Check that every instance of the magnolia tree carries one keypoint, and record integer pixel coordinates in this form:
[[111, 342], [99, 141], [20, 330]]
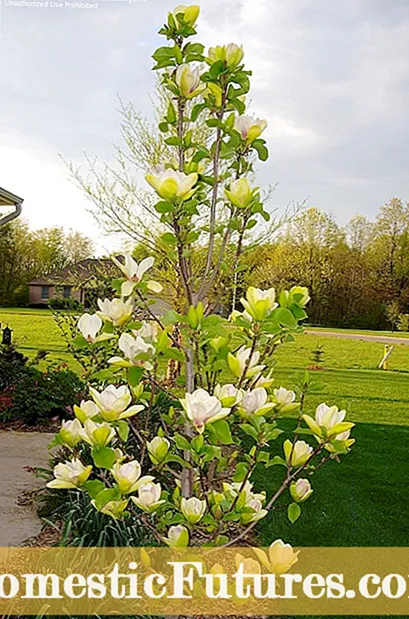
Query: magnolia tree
[[181, 457]]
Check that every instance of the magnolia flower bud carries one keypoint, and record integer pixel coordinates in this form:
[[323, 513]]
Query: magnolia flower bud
[[239, 363], [97, 434], [230, 54], [299, 295], [300, 490], [193, 509], [158, 449], [259, 303], [89, 326], [189, 14], [70, 432], [228, 395], [71, 474], [250, 128], [285, 400], [148, 497], [240, 193], [113, 403], [265, 381], [257, 512], [116, 311], [188, 81], [298, 454], [281, 557], [202, 408], [87, 410], [178, 537], [173, 186]]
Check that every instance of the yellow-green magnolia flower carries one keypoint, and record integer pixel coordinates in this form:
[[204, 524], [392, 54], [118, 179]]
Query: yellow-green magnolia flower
[[116, 311], [115, 509], [158, 449], [299, 295], [241, 362], [298, 454], [132, 349], [328, 422], [113, 403], [300, 490], [255, 402], [280, 558], [250, 128], [172, 185], [71, 474], [70, 432], [128, 476], [148, 331], [87, 410], [202, 408], [188, 81], [265, 381], [189, 13], [148, 497], [340, 442], [259, 303], [228, 395], [253, 511], [178, 537], [240, 193], [250, 566], [231, 54], [193, 509], [97, 434], [285, 400]]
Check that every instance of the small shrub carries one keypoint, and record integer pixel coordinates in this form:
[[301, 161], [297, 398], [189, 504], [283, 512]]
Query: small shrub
[[403, 324], [38, 397], [12, 365], [59, 303]]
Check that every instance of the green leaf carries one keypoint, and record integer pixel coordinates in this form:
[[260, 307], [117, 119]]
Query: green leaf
[[294, 512], [105, 496], [163, 207], [241, 472], [182, 442], [222, 431], [262, 150], [277, 461], [171, 115], [104, 457], [248, 429], [80, 342], [94, 487], [173, 141], [164, 127], [134, 375], [169, 238], [123, 430], [175, 353]]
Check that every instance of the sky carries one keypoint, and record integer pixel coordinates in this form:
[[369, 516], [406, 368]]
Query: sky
[[330, 77]]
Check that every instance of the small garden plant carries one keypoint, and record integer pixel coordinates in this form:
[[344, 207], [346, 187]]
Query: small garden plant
[[178, 452]]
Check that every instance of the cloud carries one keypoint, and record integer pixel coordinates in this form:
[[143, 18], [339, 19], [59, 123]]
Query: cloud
[[331, 78]]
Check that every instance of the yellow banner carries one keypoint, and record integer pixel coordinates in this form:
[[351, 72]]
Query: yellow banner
[[200, 581]]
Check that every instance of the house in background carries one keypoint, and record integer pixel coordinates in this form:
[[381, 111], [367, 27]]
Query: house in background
[[10, 206], [70, 282]]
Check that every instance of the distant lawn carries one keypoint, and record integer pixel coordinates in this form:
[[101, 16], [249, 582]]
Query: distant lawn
[[360, 502]]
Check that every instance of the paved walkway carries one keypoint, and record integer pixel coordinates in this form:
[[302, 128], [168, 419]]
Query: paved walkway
[[18, 450], [384, 339]]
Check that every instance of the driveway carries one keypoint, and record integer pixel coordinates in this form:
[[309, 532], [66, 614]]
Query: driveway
[[19, 450]]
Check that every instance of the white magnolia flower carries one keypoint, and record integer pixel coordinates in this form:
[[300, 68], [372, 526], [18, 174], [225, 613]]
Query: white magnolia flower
[[114, 509], [255, 402], [172, 185], [87, 410], [97, 434], [89, 326], [178, 537], [300, 490], [328, 422], [193, 509], [116, 311], [188, 80], [239, 363], [202, 408], [70, 474], [148, 497], [285, 400], [134, 273], [70, 432], [257, 513], [128, 476], [228, 395], [132, 348], [148, 331], [113, 403], [297, 454], [249, 127]]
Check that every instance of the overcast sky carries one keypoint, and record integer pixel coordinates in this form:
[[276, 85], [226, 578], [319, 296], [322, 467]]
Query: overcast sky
[[331, 78]]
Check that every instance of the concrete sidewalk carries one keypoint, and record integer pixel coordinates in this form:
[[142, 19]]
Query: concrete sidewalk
[[383, 339], [18, 450]]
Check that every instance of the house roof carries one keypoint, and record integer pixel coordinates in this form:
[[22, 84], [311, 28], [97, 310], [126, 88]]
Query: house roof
[[78, 273], [7, 200]]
